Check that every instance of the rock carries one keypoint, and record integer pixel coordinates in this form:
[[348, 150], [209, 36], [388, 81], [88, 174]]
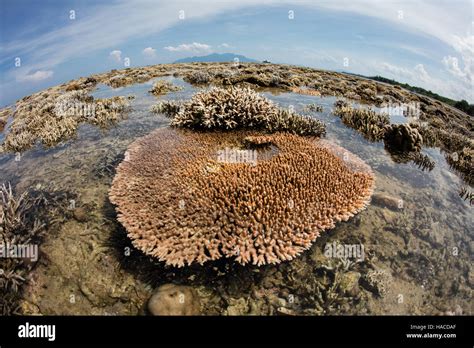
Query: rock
[[281, 302], [458, 310], [470, 277], [237, 306], [387, 201], [377, 281], [284, 292], [317, 256], [171, 299], [349, 283], [285, 311], [28, 308], [80, 214], [258, 308], [436, 235]]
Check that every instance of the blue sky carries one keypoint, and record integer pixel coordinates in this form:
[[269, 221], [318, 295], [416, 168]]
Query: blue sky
[[428, 43]]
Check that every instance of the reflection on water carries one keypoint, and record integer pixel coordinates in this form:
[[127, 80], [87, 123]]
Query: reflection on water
[[416, 242]]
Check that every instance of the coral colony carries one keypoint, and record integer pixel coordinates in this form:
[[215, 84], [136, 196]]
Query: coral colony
[[226, 212], [229, 155]]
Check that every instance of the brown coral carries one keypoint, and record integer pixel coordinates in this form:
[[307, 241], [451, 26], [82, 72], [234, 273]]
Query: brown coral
[[402, 138], [23, 220], [306, 91], [366, 121], [4, 114], [52, 118], [181, 204], [162, 87]]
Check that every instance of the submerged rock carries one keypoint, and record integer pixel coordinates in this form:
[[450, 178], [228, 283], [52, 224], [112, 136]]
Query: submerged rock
[[171, 299], [349, 283], [377, 281], [80, 214], [386, 201], [237, 306]]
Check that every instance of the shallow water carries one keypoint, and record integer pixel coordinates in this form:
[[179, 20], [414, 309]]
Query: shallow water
[[426, 244]]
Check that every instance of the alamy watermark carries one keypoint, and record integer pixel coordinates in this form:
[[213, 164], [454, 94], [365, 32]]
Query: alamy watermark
[[74, 108], [402, 109], [344, 251], [21, 251], [233, 155]]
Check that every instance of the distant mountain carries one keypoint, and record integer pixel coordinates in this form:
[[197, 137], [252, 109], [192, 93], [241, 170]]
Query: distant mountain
[[217, 57]]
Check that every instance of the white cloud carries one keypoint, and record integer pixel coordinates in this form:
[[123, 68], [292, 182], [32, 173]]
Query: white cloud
[[421, 73], [149, 52], [464, 71], [140, 18], [116, 55], [418, 76], [395, 70], [36, 76], [193, 47], [452, 65]]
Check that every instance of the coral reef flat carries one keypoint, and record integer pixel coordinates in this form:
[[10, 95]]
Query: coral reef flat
[[411, 249]]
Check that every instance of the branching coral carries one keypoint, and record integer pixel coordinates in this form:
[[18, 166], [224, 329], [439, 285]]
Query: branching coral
[[15, 229], [23, 219], [424, 162], [463, 161], [119, 81], [162, 87], [306, 91], [314, 107], [466, 195], [198, 77], [4, 114], [177, 210], [168, 108], [54, 117], [237, 108], [368, 122]]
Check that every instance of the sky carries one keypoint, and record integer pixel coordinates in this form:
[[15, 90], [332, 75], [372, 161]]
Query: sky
[[426, 43]]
